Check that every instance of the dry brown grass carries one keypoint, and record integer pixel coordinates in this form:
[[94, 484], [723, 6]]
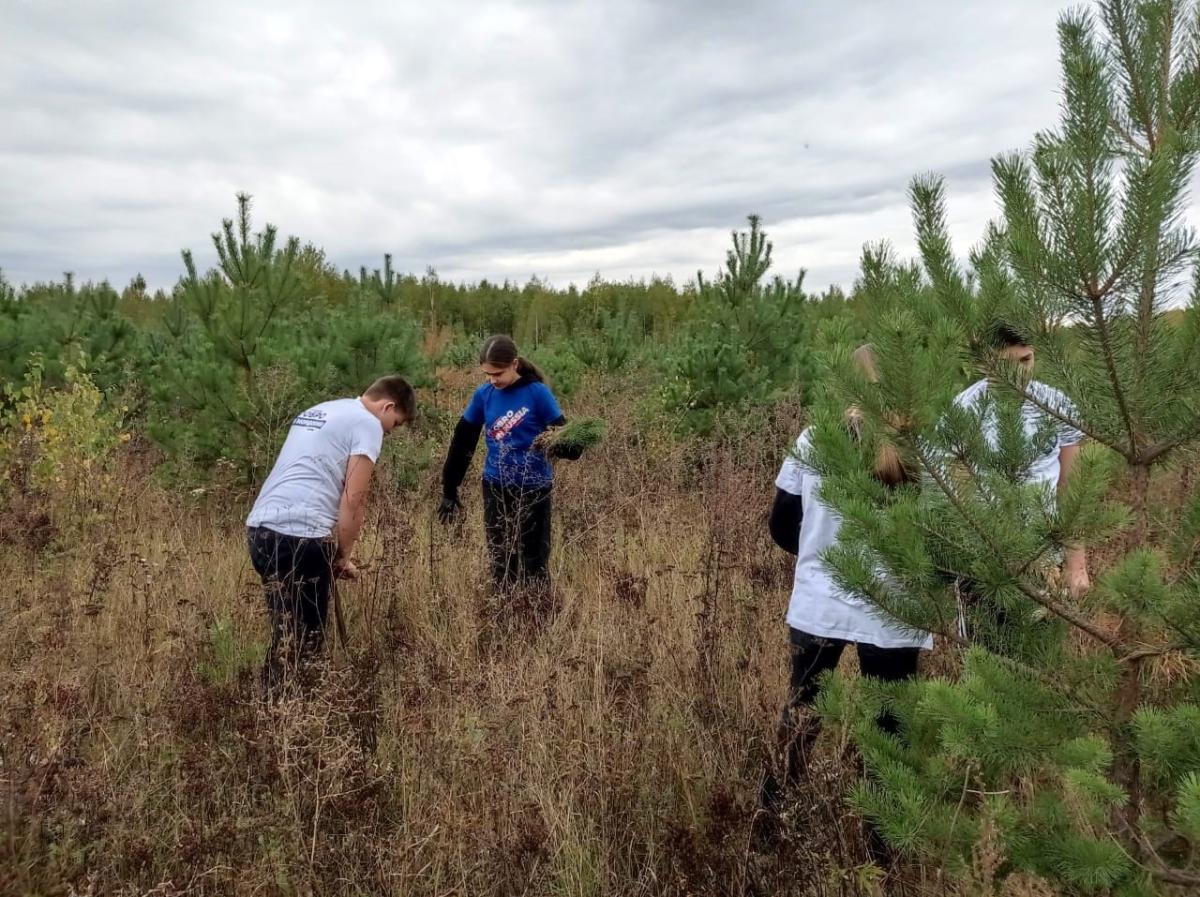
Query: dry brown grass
[[613, 746]]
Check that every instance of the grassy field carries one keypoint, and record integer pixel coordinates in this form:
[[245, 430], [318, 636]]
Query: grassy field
[[608, 743]]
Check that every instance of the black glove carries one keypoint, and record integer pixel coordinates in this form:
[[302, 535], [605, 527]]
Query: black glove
[[448, 509], [566, 453]]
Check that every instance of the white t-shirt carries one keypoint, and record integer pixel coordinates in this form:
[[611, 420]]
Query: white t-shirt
[[303, 492], [818, 606], [1045, 469]]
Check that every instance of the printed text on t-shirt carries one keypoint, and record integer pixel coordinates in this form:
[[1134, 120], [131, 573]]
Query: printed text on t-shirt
[[509, 422], [310, 420]]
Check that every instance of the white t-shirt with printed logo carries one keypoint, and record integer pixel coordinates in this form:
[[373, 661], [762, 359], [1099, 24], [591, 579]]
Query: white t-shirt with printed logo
[[1045, 470], [818, 606], [302, 494]]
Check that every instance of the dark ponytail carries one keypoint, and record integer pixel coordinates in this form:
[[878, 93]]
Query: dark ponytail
[[527, 368], [501, 350]]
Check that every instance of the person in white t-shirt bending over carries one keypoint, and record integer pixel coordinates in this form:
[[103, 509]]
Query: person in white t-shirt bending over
[[822, 619], [303, 526], [1053, 467]]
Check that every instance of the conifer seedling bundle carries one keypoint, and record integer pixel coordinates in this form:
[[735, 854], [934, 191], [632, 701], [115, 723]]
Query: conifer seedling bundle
[[578, 434]]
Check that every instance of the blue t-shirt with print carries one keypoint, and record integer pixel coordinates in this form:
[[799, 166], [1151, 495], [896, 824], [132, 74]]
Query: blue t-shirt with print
[[511, 419]]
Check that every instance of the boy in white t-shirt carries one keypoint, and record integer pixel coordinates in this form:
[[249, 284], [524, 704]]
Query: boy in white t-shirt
[[1052, 469], [303, 526]]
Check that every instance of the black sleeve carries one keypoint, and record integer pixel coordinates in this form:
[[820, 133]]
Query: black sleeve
[[458, 459], [569, 454], [784, 522]]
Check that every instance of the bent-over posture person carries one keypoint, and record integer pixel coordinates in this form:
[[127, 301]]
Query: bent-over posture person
[[303, 526], [512, 409], [822, 619]]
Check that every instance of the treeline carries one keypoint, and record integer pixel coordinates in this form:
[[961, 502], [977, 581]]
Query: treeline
[[65, 321], [213, 368]]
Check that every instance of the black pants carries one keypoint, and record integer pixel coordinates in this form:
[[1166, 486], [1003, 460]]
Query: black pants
[[517, 523], [811, 656], [298, 576]]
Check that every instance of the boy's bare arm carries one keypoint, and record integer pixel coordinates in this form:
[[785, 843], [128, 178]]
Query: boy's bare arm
[[350, 512]]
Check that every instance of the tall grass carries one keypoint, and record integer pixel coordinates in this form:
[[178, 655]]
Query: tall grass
[[609, 744]]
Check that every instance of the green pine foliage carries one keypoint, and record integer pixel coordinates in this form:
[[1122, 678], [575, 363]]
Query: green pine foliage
[[65, 326], [1057, 729], [610, 343], [563, 369], [742, 345], [248, 343]]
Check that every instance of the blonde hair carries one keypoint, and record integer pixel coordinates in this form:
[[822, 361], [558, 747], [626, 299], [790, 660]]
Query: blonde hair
[[864, 359], [889, 467]]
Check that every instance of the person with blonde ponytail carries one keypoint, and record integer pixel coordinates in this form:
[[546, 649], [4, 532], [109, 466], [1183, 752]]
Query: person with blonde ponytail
[[822, 619], [512, 409]]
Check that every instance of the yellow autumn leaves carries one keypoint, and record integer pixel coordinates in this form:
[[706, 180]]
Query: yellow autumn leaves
[[58, 447]]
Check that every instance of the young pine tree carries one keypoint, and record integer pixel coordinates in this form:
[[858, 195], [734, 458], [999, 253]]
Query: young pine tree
[[222, 359], [741, 344], [256, 339], [1071, 727]]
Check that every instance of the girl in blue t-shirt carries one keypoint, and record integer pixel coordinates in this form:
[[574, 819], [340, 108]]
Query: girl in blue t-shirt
[[512, 409]]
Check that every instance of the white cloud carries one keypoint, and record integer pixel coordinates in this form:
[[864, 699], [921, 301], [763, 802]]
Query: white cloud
[[504, 139]]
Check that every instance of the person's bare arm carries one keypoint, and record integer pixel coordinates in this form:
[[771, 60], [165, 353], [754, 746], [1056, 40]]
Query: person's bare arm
[[350, 512], [1075, 563]]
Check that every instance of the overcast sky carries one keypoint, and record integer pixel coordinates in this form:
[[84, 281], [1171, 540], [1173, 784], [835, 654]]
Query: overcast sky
[[505, 139]]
